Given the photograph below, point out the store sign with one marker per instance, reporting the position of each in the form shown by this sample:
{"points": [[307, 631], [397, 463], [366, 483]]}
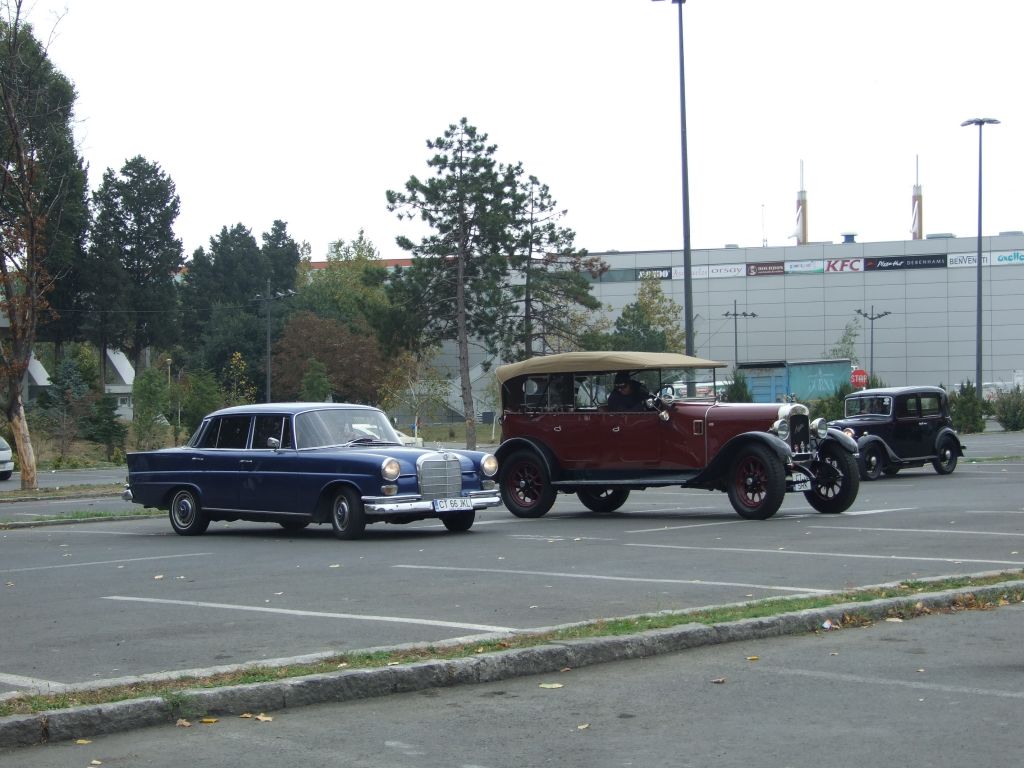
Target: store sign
{"points": [[806, 267], [704, 272], [966, 260], [920, 261], [1000, 258], [757, 268], [844, 265], [659, 273]]}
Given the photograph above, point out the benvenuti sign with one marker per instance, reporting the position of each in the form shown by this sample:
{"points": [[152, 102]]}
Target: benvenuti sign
{"points": [[996, 258]]}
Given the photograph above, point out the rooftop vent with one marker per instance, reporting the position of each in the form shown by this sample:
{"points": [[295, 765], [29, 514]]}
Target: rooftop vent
{"points": [[734, 245], [1010, 232], [848, 237], [939, 236]]}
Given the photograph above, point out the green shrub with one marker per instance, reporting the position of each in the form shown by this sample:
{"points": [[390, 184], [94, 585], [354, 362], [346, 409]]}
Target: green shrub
{"points": [[967, 412], [738, 390], [1008, 408]]}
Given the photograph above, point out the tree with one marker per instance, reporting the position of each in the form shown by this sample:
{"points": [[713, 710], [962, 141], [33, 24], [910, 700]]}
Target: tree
{"points": [[36, 154], [282, 255], [201, 396], [738, 390], [135, 257], [316, 387], [416, 384], [65, 405], [149, 399], [238, 389], [649, 324], [350, 288], [455, 289], [102, 425], [846, 346]]}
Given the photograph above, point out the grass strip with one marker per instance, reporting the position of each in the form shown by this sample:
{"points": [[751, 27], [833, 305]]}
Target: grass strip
{"points": [[172, 689]]}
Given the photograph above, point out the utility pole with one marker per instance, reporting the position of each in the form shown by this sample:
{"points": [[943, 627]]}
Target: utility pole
{"points": [[872, 317], [266, 299], [735, 329]]}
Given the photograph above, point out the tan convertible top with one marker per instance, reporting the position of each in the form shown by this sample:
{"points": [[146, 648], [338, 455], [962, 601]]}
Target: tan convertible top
{"points": [[580, 362]]}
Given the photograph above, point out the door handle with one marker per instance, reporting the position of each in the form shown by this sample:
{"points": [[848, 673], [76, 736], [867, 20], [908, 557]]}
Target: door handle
{"points": [[615, 429], [245, 461], [557, 429]]}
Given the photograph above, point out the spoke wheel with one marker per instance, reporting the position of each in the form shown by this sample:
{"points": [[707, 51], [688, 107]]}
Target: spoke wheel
{"points": [[186, 515], [872, 463], [946, 461], [757, 483], [525, 486], [836, 482]]}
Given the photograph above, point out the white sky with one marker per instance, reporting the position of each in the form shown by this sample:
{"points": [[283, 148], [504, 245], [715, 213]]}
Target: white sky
{"points": [[309, 110]]}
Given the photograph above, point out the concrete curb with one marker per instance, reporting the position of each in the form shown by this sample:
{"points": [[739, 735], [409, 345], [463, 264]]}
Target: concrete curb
{"points": [[349, 685]]}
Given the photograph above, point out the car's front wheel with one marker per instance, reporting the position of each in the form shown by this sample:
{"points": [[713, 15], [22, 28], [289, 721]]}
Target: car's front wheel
{"points": [[525, 486], [347, 516], [603, 499], [946, 461], [186, 514], [757, 483], [836, 482], [872, 463], [459, 521]]}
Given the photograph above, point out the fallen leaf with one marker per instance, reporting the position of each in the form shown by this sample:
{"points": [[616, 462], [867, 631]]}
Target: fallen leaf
{"points": [[718, 680], [158, 577], [921, 670], [582, 726], [245, 715], [183, 723], [565, 669], [895, 620], [394, 663], [753, 658], [343, 665], [95, 762], [550, 685], [208, 720], [83, 741], [480, 650], [336, 565], [264, 718]]}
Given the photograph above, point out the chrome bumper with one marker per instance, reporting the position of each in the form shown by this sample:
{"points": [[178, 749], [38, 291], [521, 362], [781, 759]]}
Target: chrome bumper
{"points": [[399, 505]]}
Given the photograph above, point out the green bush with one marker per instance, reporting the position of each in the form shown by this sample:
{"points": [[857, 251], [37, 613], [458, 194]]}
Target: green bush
{"points": [[831, 408], [1008, 408], [967, 412], [738, 390]]}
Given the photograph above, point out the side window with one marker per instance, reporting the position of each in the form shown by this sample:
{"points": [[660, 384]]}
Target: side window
{"points": [[209, 437], [929, 405], [265, 428], [234, 432], [904, 408]]}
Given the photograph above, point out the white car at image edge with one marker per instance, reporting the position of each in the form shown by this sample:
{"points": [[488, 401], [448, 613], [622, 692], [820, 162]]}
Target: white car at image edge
{"points": [[6, 460]]}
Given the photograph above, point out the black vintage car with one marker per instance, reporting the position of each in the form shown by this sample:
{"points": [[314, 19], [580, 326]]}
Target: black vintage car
{"points": [[900, 427]]}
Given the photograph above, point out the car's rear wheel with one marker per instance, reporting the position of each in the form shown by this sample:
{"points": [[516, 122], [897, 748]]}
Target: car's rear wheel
{"points": [[459, 521], [757, 483], [837, 479], [186, 514], [946, 461], [5, 475], [293, 526], [603, 499], [347, 516], [872, 463], [525, 486]]}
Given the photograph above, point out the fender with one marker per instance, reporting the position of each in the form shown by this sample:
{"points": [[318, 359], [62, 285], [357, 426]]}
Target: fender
{"points": [[837, 435], [864, 441], [516, 443], [951, 433], [713, 473]]}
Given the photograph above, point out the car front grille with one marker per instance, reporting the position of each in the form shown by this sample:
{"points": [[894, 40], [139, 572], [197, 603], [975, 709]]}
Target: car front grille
{"points": [[440, 476], [799, 432]]}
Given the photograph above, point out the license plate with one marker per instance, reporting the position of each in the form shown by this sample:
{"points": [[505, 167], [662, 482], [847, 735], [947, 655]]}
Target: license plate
{"points": [[451, 505], [802, 485]]}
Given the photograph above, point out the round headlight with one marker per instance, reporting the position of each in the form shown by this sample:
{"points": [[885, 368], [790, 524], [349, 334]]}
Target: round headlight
{"points": [[850, 433], [390, 469], [820, 428], [489, 465], [781, 428]]}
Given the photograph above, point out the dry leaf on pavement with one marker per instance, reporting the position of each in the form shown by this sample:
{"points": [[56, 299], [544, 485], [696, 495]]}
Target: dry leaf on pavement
{"points": [[550, 685]]}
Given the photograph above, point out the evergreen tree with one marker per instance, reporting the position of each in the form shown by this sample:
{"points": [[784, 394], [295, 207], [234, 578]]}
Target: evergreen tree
{"points": [[102, 425], [316, 387]]}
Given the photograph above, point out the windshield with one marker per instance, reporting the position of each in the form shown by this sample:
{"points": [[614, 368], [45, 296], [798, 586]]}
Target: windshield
{"points": [[869, 406], [342, 426]]}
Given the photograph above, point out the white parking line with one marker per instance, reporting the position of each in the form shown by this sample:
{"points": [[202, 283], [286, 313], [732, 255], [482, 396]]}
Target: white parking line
{"points": [[919, 530], [955, 560], [844, 678], [34, 683], [630, 579], [855, 512], [681, 527], [103, 562], [312, 614]]}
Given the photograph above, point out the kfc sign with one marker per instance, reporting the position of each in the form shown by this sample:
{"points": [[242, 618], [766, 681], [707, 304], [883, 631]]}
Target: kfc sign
{"points": [[844, 265]]}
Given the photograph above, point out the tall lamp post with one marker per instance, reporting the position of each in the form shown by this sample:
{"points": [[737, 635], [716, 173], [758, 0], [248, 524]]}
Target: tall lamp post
{"points": [[266, 299], [687, 265], [872, 317], [735, 329], [981, 122]]}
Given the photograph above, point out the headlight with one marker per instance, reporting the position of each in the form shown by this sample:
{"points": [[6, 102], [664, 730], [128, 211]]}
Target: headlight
{"points": [[489, 465], [820, 428], [390, 469], [849, 432], [781, 428]]}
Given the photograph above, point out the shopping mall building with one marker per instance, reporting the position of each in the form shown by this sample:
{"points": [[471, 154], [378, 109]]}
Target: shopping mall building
{"points": [[799, 301]]}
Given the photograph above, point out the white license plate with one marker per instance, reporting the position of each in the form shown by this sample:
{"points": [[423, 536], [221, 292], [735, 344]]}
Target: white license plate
{"points": [[450, 505], [802, 485]]}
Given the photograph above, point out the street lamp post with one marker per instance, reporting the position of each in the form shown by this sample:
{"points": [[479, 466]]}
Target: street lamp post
{"points": [[735, 330], [981, 122], [687, 265], [872, 317], [266, 299]]}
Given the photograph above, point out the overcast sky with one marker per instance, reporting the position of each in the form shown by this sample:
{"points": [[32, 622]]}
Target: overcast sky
{"points": [[309, 110]]}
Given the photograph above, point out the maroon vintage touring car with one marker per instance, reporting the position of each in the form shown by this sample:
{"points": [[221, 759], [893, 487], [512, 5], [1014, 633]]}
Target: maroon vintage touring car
{"points": [[560, 434]]}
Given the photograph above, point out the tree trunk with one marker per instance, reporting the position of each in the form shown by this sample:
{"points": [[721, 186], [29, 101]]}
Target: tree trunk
{"points": [[22, 441]]}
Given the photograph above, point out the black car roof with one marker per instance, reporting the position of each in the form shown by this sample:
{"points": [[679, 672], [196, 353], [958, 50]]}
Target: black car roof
{"points": [[290, 408], [894, 391]]}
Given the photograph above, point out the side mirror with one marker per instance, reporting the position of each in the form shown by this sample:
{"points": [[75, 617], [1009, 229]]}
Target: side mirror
{"points": [[273, 442]]}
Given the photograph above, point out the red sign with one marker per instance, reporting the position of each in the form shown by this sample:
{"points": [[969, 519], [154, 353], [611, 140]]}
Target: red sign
{"points": [[859, 377]]}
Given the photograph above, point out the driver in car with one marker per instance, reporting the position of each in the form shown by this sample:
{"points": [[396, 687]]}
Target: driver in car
{"points": [[628, 395]]}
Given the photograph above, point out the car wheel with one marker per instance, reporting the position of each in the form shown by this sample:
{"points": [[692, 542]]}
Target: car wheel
{"points": [[460, 521], [5, 475], [293, 525], [872, 463], [187, 518], [946, 461], [837, 480], [757, 483], [525, 486], [603, 499], [347, 517]]}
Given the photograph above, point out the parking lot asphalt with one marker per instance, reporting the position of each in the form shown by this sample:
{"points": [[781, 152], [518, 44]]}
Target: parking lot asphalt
{"points": [[140, 601]]}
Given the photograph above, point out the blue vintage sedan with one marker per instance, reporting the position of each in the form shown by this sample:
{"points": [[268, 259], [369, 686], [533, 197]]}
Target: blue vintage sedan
{"points": [[299, 463]]}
